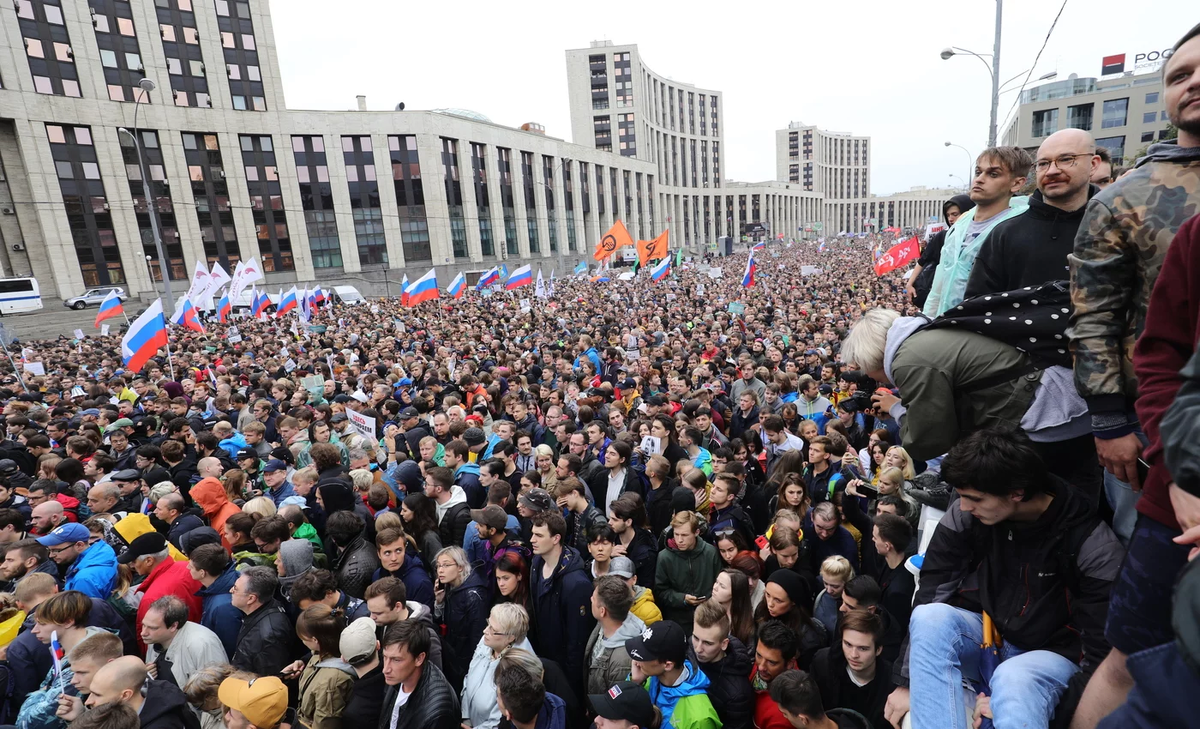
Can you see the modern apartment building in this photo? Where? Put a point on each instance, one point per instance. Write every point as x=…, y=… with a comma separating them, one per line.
x=1124, y=113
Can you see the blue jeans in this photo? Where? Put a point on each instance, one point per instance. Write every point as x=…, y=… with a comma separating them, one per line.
x=944, y=649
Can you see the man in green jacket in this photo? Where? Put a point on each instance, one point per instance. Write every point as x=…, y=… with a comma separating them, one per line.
x=686, y=571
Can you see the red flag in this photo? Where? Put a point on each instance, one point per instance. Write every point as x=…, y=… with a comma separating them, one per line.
x=903, y=252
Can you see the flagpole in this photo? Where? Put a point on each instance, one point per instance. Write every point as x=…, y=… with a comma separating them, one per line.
x=170, y=360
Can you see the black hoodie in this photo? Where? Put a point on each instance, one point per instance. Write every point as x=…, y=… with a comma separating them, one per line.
x=931, y=254
x=1027, y=250
x=166, y=707
x=730, y=692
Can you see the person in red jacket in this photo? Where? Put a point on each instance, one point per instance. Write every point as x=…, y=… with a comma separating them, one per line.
x=150, y=556
x=774, y=654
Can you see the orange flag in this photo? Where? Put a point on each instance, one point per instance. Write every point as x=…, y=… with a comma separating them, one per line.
x=649, y=250
x=616, y=237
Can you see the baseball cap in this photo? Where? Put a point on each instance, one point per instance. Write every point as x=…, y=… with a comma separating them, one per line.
x=536, y=499
x=625, y=701
x=357, y=639
x=663, y=641
x=145, y=545
x=409, y=412
x=262, y=700
x=121, y=423
x=339, y=418
x=8, y=467
x=244, y=453
x=274, y=465
x=360, y=396
x=621, y=567
x=127, y=474
x=65, y=534
x=490, y=516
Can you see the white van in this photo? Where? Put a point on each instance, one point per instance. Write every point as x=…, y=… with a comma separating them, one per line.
x=19, y=295
x=348, y=295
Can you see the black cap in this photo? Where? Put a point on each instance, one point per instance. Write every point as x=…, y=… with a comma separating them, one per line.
x=409, y=412
x=147, y=544
x=247, y=453
x=626, y=701
x=663, y=641
x=339, y=418
x=127, y=474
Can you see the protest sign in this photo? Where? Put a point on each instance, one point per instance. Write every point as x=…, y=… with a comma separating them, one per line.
x=363, y=425
x=35, y=368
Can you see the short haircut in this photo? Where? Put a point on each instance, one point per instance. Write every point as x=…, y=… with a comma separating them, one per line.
x=685, y=517
x=894, y=530
x=459, y=448
x=389, y=587
x=709, y=614
x=553, y=521
x=521, y=693
x=71, y=607
x=773, y=423
x=894, y=501
x=174, y=611
x=26, y=548
x=212, y=558
x=262, y=582
x=273, y=528
x=865, y=591
x=344, y=526
x=35, y=585
x=1014, y=159
x=115, y=715
x=385, y=537
x=774, y=634
x=996, y=462
x=440, y=476
x=412, y=634
x=99, y=647
x=796, y=692
x=313, y=585
x=172, y=450
x=574, y=462
x=862, y=621
x=615, y=595
x=569, y=485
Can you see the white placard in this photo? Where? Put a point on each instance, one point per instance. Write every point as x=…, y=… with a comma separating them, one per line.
x=651, y=445
x=35, y=368
x=289, y=365
x=714, y=272
x=104, y=330
x=362, y=424
x=79, y=334
x=233, y=338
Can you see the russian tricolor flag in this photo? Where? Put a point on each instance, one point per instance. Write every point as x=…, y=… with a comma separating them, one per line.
x=759, y=246
x=488, y=279
x=659, y=272
x=458, y=286
x=259, y=302
x=751, y=268
x=319, y=297
x=522, y=276
x=224, y=307
x=186, y=316
x=287, y=302
x=147, y=334
x=423, y=289
x=404, y=290
x=110, y=307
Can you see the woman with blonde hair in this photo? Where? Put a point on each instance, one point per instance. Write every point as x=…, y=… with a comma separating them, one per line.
x=260, y=505
x=544, y=460
x=897, y=457
x=461, y=599
x=506, y=628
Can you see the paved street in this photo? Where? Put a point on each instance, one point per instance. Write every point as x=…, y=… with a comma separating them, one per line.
x=53, y=320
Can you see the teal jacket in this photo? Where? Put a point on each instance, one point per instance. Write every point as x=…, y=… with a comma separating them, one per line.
x=958, y=258
x=687, y=705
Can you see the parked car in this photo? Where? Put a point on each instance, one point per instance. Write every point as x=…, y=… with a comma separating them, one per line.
x=93, y=297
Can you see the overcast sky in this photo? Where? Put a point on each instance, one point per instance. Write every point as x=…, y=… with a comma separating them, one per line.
x=869, y=67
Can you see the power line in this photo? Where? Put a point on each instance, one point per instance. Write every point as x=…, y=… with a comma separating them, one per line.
x=1036, y=58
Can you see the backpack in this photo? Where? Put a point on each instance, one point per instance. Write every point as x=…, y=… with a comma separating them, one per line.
x=1032, y=320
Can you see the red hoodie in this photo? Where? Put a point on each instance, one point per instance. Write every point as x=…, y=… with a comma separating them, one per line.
x=1167, y=343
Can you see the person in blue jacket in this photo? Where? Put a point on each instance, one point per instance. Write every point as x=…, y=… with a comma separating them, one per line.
x=398, y=558
x=89, y=568
x=211, y=566
x=560, y=598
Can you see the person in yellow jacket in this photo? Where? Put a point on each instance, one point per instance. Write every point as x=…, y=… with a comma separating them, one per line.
x=643, y=598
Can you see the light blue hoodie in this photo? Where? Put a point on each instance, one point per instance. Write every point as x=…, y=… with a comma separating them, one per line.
x=958, y=258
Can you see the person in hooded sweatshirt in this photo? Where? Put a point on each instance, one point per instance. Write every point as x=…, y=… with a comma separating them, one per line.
x=922, y=274
x=210, y=496
x=159, y=704
x=676, y=686
x=450, y=502
x=1031, y=249
x=608, y=662
x=726, y=662
x=560, y=598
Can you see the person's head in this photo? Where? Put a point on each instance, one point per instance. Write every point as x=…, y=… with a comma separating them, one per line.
x=207, y=562
x=776, y=649
x=729, y=543
x=826, y=520
x=146, y=552
x=512, y=577
x=507, y=625
x=390, y=545
x=626, y=705
x=611, y=599
x=600, y=541
x=891, y=534
x=723, y=492
x=163, y=620
x=118, y=681
x=66, y=543
x=799, y=699
x=835, y=573
x=1000, y=173
x=22, y=557
x=710, y=631
x=661, y=648
x=102, y=498
x=90, y=655
x=452, y=566
x=994, y=472
x=519, y=695
x=319, y=627
x=685, y=527
x=343, y=527
x=1065, y=163
x=785, y=546
x=254, y=588
x=253, y=702
x=313, y=587
x=386, y=599
x=1181, y=87
x=108, y=716
x=549, y=529
x=861, y=635
x=861, y=593
x=405, y=648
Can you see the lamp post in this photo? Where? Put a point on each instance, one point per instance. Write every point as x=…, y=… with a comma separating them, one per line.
x=970, y=159
x=993, y=70
x=147, y=86
x=964, y=182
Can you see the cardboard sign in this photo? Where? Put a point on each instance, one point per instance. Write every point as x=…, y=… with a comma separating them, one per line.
x=362, y=424
x=314, y=384
x=714, y=272
x=810, y=270
x=35, y=368
x=737, y=307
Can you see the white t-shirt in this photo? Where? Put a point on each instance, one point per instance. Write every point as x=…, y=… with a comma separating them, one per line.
x=401, y=700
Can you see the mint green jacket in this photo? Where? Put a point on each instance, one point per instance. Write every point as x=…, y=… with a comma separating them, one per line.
x=958, y=258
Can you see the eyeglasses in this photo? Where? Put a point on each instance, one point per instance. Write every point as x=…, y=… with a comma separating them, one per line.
x=61, y=549
x=1063, y=162
x=493, y=631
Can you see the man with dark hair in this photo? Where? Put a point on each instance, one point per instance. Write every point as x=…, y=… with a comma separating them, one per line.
x=25, y=557
x=1026, y=548
x=266, y=641
x=582, y=518
x=211, y=566
x=418, y=696
x=321, y=586
x=559, y=597
x=850, y=673
x=450, y=502
x=354, y=560
x=524, y=701
x=387, y=603
x=13, y=524
x=397, y=559
x=677, y=687
x=607, y=660
x=172, y=509
x=799, y=701
x=176, y=647
x=1000, y=173
x=466, y=473
x=890, y=538
x=774, y=653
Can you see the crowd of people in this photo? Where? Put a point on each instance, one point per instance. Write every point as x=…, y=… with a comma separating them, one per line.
x=956, y=496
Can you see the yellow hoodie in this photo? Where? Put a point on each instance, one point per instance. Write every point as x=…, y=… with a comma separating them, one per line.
x=644, y=606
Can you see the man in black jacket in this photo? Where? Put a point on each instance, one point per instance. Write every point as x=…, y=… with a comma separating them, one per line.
x=726, y=662
x=1024, y=546
x=418, y=696
x=850, y=673
x=1032, y=248
x=266, y=641
x=159, y=704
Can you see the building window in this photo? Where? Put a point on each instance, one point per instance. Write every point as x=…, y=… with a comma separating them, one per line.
x=48, y=47
x=504, y=168
x=152, y=156
x=86, y=204
x=482, y=200
x=181, y=45
x=410, y=197
x=359, y=159
x=266, y=202
x=1045, y=122
x=1115, y=146
x=529, y=183
x=119, y=52
x=1151, y=97
x=1114, y=113
x=602, y=127
x=202, y=152
x=548, y=167
x=1149, y=117
x=450, y=177
x=241, y=55
x=1147, y=136
x=1080, y=117
x=316, y=199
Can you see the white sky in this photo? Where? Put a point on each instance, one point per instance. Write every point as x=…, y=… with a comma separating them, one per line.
x=868, y=67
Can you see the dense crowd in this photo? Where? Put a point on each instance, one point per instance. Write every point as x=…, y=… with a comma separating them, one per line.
x=826, y=499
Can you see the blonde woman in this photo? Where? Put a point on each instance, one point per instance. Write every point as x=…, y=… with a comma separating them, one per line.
x=261, y=505
x=460, y=605
x=506, y=628
x=544, y=458
x=897, y=457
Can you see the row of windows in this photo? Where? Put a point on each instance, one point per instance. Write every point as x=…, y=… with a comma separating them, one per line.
x=1114, y=114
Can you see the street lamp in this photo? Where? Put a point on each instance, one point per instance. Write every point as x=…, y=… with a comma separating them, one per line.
x=147, y=86
x=970, y=159
x=964, y=182
x=993, y=69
